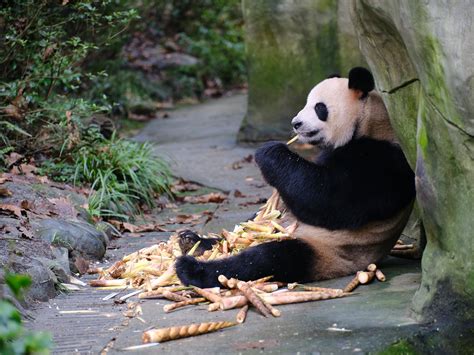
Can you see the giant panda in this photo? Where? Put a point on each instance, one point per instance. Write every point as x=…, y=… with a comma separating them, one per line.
x=351, y=203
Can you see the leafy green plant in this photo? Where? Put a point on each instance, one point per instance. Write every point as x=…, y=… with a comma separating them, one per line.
x=42, y=47
x=14, y=338
x=123, y=175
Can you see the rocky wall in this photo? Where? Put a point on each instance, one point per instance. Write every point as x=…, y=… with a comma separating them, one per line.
x=421, y=55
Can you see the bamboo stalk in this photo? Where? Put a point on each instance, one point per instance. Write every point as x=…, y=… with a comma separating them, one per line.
x=171, y=307
x=297, y=297
x=253, y=298
x=242, y=314
x=233, y=302
x=223, y=280
x=372, y=267
x=365, y=276
x=106, y=283
x=213, y=307
x=275, y=312
x=315, y=288
x=207, y=295
x=173, y=296
x=352, y=284
x=166, y=334
x=292, y=140
x=379, y=275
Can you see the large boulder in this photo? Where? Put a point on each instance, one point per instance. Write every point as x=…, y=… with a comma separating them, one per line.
x=291, y=46
x=421, y=55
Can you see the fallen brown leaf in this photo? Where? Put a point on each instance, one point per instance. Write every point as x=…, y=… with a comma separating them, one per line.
x=149, y=227
x=4, y=192
x=26, y=205
x=13, y=157
x=184, y=218
x=238, y=194
x=213, y=197
x=81, y=264
x=12, y=209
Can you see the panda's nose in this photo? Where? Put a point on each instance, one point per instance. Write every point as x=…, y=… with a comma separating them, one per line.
x=297, y=124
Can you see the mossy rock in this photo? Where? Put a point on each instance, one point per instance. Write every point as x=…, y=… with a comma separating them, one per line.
x=291, y=46
x=421, y=55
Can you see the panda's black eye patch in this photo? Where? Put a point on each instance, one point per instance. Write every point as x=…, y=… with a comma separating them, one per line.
x=321, y=111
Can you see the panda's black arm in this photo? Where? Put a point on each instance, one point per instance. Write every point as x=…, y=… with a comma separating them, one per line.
x=365, y=181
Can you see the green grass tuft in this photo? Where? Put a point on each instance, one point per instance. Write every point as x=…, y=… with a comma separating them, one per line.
x=123, y=175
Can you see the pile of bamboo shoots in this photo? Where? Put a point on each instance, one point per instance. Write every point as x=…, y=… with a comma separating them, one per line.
x=153, y=267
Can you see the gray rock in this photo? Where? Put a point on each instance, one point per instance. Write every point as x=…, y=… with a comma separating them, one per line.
x=76, y=236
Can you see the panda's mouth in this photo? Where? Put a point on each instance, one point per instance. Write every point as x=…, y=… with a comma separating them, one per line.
x=311, y=137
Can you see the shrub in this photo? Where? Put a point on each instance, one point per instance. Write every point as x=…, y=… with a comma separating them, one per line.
x=42, y=46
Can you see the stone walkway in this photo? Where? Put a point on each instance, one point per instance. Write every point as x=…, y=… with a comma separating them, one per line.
x=200, y=143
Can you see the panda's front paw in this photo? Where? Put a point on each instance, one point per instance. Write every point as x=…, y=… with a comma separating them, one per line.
x=271, y=159
x=270, y=151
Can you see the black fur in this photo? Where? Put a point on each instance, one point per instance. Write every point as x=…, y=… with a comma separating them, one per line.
x=187, y=240
x=365, y=180
x=361, y=79
x=287, y=260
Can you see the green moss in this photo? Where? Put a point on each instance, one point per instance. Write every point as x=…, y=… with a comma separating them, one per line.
x=402, y=347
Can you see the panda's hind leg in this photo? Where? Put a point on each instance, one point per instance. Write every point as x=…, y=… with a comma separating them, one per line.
x=188, y=238
x=286, y=260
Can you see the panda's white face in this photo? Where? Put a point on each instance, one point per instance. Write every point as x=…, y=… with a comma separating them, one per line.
x=331, y=114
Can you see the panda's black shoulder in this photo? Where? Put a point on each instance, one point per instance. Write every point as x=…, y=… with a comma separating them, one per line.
x=366, y=153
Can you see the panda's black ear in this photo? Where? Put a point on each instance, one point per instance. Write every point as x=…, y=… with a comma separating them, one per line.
x=334, y=75
x=361, y=79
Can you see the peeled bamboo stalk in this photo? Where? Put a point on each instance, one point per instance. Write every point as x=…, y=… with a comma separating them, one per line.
x=95, y=270
x=232, y=283
x=117, y=269
x=164, y=278
x=379, y=275
x=352, y=284
x=207, y=295
x=292, y=140
x=213, y=307
x=223, y=280
x=261, y=280
x=275, y=312
x=315, y=289
x=403, y=246
x=171, y=307
x=172, y=333
x=106, y=283
x=173, y=296
x=365, y=276
x=233, y=302
x=240, y=317
x=266, y=287
x=372, y=267
x=253, y=298
x=193, y=249
x=297, y=297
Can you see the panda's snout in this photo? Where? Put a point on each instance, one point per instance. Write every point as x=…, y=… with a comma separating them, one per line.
x=296, y=123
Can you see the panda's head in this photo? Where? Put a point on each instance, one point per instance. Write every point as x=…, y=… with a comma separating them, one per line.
x=340, y=109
